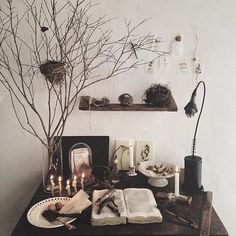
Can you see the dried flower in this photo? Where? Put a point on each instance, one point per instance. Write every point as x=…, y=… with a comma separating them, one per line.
x=198, y=69
x=191, y=107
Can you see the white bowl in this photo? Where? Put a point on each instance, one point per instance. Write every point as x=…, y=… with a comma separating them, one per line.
x=156, y=180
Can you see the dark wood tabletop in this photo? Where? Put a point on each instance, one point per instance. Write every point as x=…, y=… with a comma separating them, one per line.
x=169, y=226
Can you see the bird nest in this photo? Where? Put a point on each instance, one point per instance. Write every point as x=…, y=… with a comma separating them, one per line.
x=157, y=95
x=53, y=71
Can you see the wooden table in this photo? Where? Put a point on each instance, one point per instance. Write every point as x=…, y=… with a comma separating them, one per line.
x=168, y=227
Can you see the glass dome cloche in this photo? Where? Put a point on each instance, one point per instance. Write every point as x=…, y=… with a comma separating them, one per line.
x=80, y=160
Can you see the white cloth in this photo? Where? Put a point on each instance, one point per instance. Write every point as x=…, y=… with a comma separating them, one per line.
x=76, y=204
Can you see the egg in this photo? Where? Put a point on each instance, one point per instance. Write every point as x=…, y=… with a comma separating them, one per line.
x=58, y=206
x=52, y=207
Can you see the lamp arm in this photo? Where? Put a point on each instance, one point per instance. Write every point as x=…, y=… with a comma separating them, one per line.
x=200, y=113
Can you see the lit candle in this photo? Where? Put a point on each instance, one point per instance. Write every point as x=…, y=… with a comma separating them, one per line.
x=82, y=181
x=60, y=184
x=68, y=187
x=176, y=181
x=131, y=155
x=52, y=184
x=74, y=183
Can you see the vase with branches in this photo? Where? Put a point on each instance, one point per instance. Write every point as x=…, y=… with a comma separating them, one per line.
x=66, y=50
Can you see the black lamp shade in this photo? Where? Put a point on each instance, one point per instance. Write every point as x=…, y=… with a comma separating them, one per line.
x=192, y=174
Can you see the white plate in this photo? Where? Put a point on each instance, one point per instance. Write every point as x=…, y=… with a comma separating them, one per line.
x=35, y=217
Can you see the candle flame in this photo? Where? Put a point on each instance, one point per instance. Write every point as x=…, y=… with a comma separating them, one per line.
x=83, y=175
x=59, y=178
x=75, y=177
x=68, y=182
x=51, y=177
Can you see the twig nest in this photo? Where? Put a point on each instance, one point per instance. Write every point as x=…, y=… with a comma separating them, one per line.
x=53, y=71
x=103, y=102
x=125, y=99
x=157, y=95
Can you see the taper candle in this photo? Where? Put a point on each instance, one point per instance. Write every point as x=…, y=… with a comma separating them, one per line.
x=176, y=181
x=52, y=184
x=68, y=187
x=82, y=181
x=60, y=184
x=74, y=183
x=131, y=154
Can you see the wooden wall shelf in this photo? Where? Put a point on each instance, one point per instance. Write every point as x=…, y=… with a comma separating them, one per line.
x=84, y=105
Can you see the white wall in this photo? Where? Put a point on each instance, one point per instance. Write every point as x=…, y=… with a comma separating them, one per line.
x=215, y=23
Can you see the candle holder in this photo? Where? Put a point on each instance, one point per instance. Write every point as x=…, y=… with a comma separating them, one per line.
x=131, y=171
x=115, y=178
x=115, y=172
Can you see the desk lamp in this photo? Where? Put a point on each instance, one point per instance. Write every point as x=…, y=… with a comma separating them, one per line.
x=193, y=163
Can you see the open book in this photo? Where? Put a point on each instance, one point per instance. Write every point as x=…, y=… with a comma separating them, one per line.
x=136, y=205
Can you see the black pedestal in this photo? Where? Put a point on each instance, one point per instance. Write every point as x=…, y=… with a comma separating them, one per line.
x=192, y=174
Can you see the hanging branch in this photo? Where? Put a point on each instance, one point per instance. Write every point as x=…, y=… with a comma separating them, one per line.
x=67, y=50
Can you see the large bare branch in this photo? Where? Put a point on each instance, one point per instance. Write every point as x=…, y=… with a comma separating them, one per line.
x=61, y=32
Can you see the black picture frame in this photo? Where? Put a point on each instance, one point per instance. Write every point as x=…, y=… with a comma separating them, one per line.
x=99, y=146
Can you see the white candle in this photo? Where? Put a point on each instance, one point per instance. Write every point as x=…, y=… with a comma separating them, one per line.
x=176, y=181
x=52, y=184
x=131, y=154
x=68, y=187
x=60, y=184
x=74, y=183
x=82, y=181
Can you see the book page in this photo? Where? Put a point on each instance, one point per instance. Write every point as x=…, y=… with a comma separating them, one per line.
x=107, y=217
x=141, y=206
